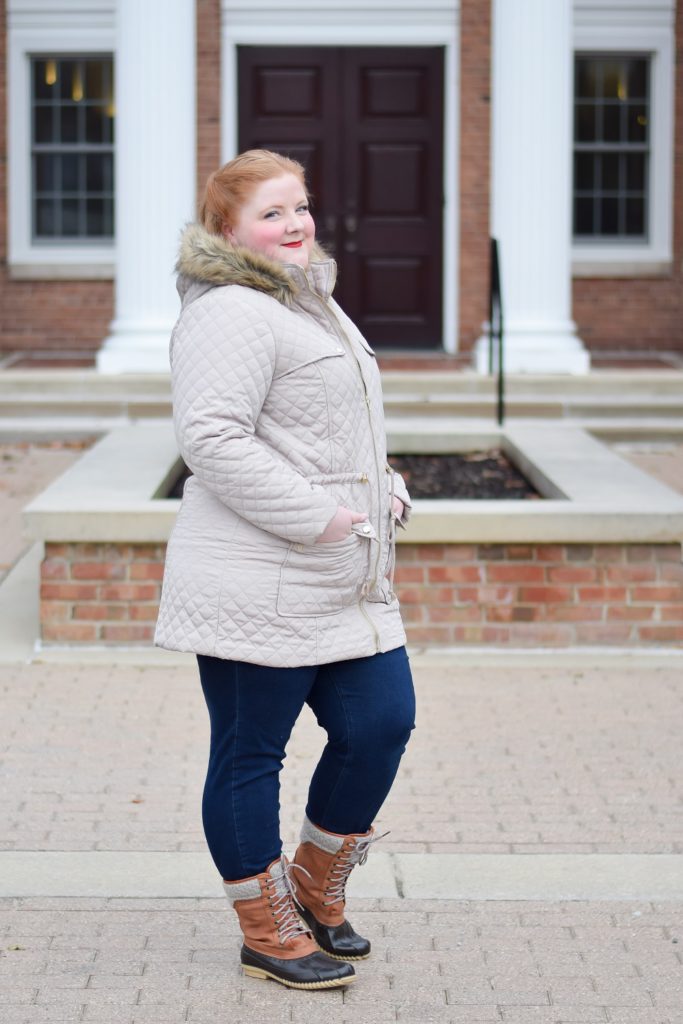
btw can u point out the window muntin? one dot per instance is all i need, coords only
(72, 149)
(611, 147)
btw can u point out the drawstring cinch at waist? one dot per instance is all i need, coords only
(365, 589)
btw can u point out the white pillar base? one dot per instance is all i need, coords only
(136, 348)
(535, 348)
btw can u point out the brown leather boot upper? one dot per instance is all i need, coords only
(323, 892)
(269, 921)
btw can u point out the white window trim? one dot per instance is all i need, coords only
(653, 257)
(32, 32)
(358, 23)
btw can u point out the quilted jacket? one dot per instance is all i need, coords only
(277, 408)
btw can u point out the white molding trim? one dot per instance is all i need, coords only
(636, 26)
(77, 26)
(358, 23)
(624, 13)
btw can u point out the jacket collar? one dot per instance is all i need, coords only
(210, 260)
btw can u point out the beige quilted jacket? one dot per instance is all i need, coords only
(277, 407)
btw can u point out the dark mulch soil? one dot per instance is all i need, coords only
(484, 475)
(480, 475)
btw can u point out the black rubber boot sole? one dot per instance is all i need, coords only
(325, 936)
(307, 972)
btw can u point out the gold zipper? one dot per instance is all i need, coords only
(363, 479)
(342, 335)
(372, 624)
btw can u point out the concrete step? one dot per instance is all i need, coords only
(605, 396)
(32, 405)
(547, 406)
(650, 383)
(646, 383)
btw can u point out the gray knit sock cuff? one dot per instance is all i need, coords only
(247, 890)
(310, 833)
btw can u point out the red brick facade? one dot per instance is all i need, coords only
(55, 315)
(510, 594)
(208, 90)
(610, 313)
(647, 313)
(475, 167)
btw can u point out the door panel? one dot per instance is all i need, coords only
(296, 123)
(367, 123)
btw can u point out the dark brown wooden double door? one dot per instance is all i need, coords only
(368, 126)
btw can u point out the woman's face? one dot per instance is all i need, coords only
(275, 221)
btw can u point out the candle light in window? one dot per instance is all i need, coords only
(50, 72)
(622, 91)
(77, 86)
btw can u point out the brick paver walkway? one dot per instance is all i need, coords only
(26, 470)
(662, 460)
(521, 758)
(167, 962)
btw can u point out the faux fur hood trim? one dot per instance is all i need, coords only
(212, 260)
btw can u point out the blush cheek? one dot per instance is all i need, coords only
(266, 239)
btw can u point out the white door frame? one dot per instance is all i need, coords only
(357, 23)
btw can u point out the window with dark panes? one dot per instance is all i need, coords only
(72, 148)
(611, 147)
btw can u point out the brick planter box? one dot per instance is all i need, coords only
(597, 561)
(100, 593)
(517, 594)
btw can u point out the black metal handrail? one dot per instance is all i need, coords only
(496, 329)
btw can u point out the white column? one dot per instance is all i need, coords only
(155, 176)
(531, 185)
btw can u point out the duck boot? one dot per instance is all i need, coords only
(276, 943)
(328, 860)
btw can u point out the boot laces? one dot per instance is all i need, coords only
(281, 892)
(344, 864)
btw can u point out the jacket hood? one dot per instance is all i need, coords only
(211, 260)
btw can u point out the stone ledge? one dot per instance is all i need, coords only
(591, 494)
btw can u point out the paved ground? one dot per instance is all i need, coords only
(26, 470)
(520, 963)
(662, 460)
(522, 758)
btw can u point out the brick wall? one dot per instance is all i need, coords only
(208, 89)
(54, 315)
(546, 594)
(507, 594)
(100, 593)
(475, 128)
(644, 313)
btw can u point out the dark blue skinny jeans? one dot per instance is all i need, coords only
(365, 705)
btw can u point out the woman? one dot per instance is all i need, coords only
(279, 570)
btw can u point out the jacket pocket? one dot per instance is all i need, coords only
(321, 579)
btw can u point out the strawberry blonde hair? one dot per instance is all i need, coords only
(230, 186)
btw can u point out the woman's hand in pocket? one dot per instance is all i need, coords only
(339, 527)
